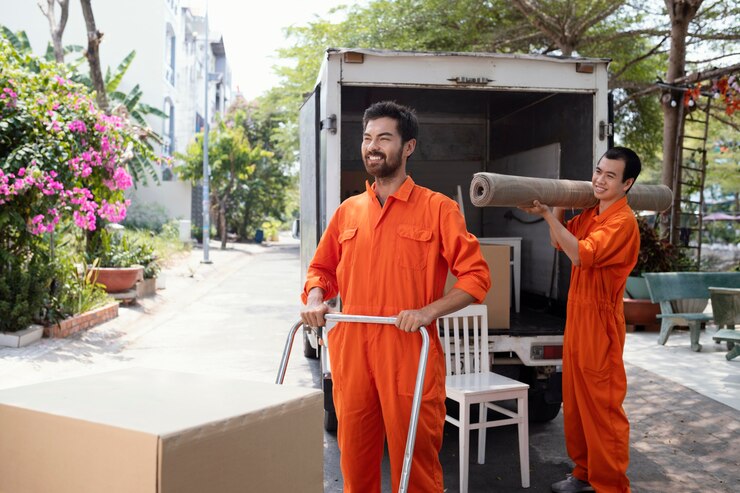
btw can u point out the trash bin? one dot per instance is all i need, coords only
(259, 235)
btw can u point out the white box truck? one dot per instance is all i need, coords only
(526, 115)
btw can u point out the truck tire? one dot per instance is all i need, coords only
(330, 414)
(308, 350)
(545, 395)
(330, 420)
(541, 411)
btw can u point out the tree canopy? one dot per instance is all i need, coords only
(248, 183)
(636, 36)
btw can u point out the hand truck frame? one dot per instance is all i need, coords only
(418, 388)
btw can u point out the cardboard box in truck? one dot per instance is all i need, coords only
(498, 298)
(155, 431)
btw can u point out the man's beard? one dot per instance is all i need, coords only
(388, 167)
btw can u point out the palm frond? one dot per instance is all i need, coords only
(49, 55)
(25, 43)
(72, 49)
(133, 98)
(11, 36)
(151, 110)
(112, 83)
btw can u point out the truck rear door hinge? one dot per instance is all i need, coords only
(330, 124)
(605, 130)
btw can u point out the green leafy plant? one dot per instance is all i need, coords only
(121, 250)
(271, 228)
(75, 289)
(24, 291)
(656, 254)
(140, 215)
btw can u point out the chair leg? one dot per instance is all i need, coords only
(464, 447)
(523, 425)
(694, 328)
(482, 418)
(666, 326)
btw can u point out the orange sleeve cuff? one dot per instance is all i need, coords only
(474, 287)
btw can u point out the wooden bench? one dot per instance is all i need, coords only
(668, 288)
(726, 311)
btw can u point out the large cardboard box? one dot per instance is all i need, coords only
(498, 299)
(143, 430)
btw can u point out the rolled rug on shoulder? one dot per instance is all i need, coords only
(496, 190)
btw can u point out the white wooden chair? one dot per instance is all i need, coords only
(469, 381)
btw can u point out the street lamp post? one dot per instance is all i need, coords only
(206, 169)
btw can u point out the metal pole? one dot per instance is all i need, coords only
(206, 170)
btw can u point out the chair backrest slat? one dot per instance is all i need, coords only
(445, 326)
(466, 344)
(465, 340)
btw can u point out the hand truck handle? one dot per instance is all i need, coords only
(418, 388)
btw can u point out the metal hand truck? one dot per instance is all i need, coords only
(418, 388)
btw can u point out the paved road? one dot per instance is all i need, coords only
(230, 318)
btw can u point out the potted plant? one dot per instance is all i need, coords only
(656, 255)
(114, 260)
(147, 257)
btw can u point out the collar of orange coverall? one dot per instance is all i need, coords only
(403, 193)
(611, 210)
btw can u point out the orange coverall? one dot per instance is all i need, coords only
(383, 260)
(594, 380)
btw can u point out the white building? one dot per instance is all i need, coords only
(168, 38)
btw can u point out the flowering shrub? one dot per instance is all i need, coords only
(62, 161)
(60, 157)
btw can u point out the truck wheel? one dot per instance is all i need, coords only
(308, 350)
(330, 420)
(540, 410)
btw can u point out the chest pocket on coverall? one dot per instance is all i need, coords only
(347, 240)
(412, 247)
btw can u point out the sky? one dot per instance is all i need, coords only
(253, 32)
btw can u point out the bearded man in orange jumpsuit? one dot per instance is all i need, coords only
(603, 243)
(387, 252)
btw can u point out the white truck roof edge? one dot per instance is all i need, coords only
(523, 56)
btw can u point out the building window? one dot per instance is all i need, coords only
(168, 137)
(169, 56)
(199, 123)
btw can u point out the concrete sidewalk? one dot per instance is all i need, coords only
(230, 318)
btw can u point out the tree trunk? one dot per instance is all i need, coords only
(681, 12)
(222, 223)
(56, 28)
(94, 37)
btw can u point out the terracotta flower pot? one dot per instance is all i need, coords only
(641, 313)
(118, 279)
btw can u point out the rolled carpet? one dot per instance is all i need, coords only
(495, 190)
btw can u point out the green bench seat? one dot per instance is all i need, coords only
(726, 309)
(668, 288)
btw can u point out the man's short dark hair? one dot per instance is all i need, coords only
(408, 125)
(632, 164)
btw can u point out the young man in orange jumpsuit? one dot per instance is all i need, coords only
(387, 252)
(603, 243)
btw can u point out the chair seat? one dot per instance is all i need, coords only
(480, 384)
(727, 335)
